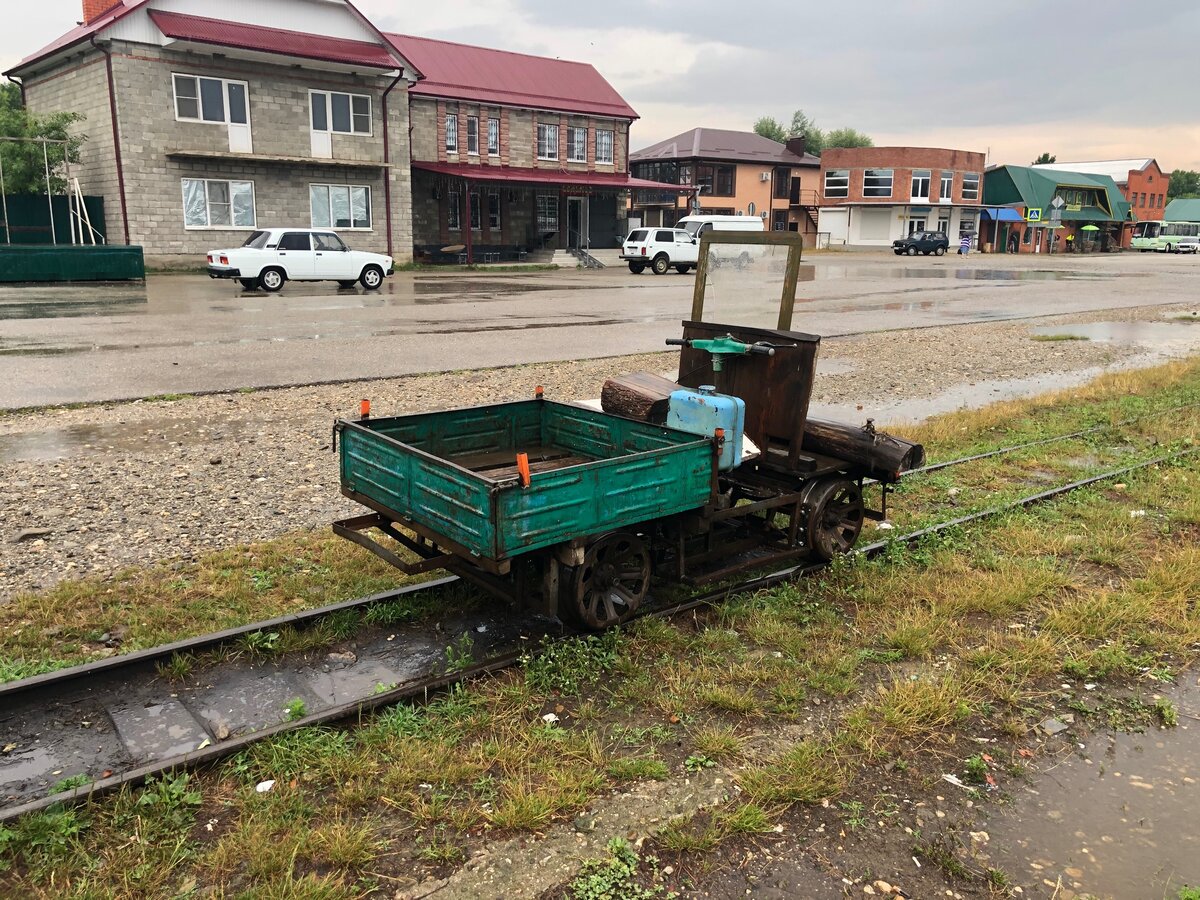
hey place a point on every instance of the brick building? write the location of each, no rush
(513, 152)
(870, 196)
(204, 120)
(1142, 183)
(728, 173)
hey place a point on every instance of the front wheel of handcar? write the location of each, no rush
(371, 278)
(271, 280)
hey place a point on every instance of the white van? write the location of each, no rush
(698, 224)
(741, 255)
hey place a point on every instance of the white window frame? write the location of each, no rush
(329, 129)
(831, 187)
(546, 222)
(970, 186)
(493, 146)
(878, 175)
(572, 143)
(225, 83)
(919, 175)
(473, 120)
(331, 225)
(494, 222)
(543, 140)
(946, 191)
(452, 133)
(454, 213)
(230, 182)
(605, 159)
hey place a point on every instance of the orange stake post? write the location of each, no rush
(523, 468)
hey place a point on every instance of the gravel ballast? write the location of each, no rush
(91, 490)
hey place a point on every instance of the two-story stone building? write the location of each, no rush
(872, 195)
(513, 153)
(204, 120)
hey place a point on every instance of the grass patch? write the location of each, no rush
(891, 661)
(1054, 338)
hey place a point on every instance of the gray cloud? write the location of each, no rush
(879, 65)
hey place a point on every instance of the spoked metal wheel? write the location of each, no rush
(835, 516)
(610, 585)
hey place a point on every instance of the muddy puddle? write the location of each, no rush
(942, 272)
(76, 440)
(1115, 819)
(1182, 333)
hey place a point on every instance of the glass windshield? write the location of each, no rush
(257, 240)
(692, 228)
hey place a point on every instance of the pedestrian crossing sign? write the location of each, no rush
(1033, 215)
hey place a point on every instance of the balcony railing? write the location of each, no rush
(654, 198)
(803, 197)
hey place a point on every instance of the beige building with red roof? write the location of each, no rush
(205, 121)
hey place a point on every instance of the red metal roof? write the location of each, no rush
(614, 180)
(80, 33)
(273, 40)
(483, 75)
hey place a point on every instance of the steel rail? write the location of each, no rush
(422, 687)
(933, 467)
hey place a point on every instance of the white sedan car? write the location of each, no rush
(273, 256)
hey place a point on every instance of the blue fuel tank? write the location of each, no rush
(703, 411)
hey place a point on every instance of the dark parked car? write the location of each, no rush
(926, 242)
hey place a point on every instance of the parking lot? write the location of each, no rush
(187, 333)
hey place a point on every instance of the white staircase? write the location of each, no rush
(565, 259)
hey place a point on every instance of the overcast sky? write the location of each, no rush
(1083, 79)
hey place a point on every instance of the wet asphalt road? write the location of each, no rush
(187, 333)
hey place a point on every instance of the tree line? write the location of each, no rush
(815, 140)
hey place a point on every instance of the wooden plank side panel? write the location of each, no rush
(421, 489)
(604, 495)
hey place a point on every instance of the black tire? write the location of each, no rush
(912, 251)
(609, 586)
(925, 252)
(683, 270)
(371, 278)
(662, 263)
(898, 252)
(637, 268)
(939, 251)
(248, 284)
(272, 280)
(347, 284)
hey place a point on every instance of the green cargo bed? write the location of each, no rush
(452, 475)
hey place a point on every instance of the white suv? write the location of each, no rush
(273, 256)
(660, 248)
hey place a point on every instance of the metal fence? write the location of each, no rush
(49, 218)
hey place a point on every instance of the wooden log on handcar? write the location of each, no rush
(639, 395)
(883, 455)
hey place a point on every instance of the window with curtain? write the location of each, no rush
(340, 205)
(211, 203)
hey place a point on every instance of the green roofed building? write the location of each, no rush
(1182, 210)
(1019, 211)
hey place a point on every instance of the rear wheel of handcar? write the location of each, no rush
(661, 264)
(371, 278)
(607, 588)
(835, 516)
(637, 268)
(271, 280)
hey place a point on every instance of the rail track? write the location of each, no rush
(121, 719)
